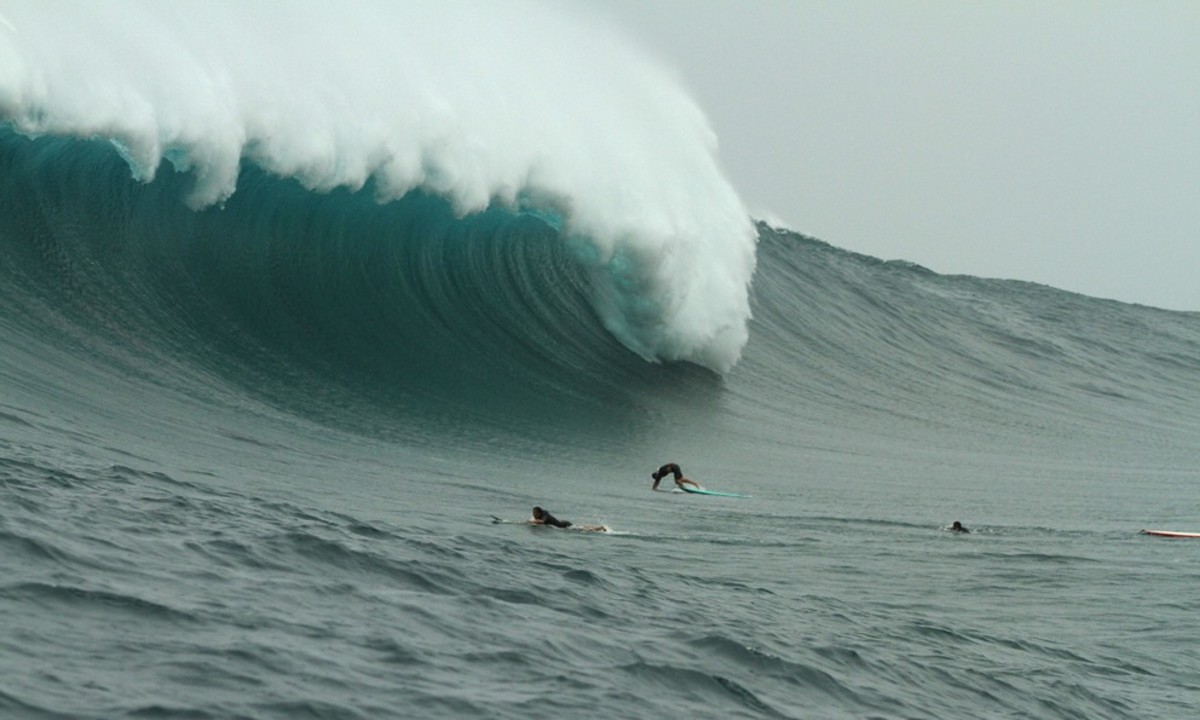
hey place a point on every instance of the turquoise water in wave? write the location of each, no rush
(249, 457)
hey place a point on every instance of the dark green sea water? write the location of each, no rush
(249, 457)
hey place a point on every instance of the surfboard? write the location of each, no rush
(1171, 534)
(702, 491)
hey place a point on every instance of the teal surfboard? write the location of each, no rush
(702, 491)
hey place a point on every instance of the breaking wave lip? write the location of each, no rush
(521, 106)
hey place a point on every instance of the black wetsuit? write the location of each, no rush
(548, 519)
(660, 473)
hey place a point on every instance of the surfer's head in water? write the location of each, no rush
(541, 517)
(673, 470)
(958, 527)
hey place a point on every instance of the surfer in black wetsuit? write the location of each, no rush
(541, 517)
(674, 470)
(958, 528)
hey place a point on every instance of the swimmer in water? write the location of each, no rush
(958, 528)
(541, 517)
(674, 470)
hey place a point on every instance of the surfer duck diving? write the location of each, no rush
(672, 469)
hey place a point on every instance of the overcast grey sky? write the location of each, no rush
(1053, 141)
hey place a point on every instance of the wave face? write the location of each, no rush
(510, 106)
(330, 305)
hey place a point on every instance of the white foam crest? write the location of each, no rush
(480, 102)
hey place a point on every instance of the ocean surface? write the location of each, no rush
(263, 391)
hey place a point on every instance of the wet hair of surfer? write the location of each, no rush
(673, 470)
(958, 527)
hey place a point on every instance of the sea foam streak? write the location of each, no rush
(486, 104)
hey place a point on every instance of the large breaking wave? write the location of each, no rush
(509, 107)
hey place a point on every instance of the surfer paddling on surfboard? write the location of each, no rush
(674, 470)
(541, 517)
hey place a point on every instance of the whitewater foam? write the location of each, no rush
(513, 104)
